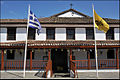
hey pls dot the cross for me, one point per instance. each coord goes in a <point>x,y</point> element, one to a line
<point>71,5</point>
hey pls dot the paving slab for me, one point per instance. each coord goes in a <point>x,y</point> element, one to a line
<point>81,75</point>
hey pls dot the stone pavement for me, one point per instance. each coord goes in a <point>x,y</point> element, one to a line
<point>81,75</point>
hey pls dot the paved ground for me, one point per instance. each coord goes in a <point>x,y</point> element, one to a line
<point>81,75</point>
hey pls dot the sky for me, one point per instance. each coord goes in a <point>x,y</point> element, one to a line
<point>18,9</point>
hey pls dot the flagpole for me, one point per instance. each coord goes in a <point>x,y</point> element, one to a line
<point>95,42</point>
<point>26,42</point>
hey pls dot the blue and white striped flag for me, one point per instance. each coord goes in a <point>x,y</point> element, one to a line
<point>33,22</point>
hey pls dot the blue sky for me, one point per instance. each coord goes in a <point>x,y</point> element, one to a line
<point>19,9</point>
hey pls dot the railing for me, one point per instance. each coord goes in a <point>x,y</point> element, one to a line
<point>49,68</point>
<point>18,64</point>
<point>102,64</point>
<point>80,64</point>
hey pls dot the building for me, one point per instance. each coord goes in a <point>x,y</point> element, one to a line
<point>66,42</point>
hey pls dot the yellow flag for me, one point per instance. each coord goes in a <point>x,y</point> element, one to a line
<point>100,23</point>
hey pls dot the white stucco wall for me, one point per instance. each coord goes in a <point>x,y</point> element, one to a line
<point>80,55</point>
<point>60,33</point>
<point>38,54</point>
<point>116,33</point>
<point>100,35</point>
<point>42,35</point>
<point>103,55</point>
<point>69,14</point>
<point>3,34</point>
<point>20,34</point>
<point>80,34</point>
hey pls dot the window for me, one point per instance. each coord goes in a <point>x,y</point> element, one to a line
<point>70,33</point>
<point>50,33</point>
<point>110,54</point>
<point>31,34</point>
<point>28,54</point>
<point>89,33</point>
<point>10,54</point>
<point>11,33</point>
<point>110,34</point>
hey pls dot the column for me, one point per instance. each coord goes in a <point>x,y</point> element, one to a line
<point>49,54</point>
<point>30,59</point>
<point>70,57</point>
<point>2,60</point>
<point>117,59</point>
<point>70,54</point>
<point>88,53</point>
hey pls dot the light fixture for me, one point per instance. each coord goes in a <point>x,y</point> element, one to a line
<point>55,49</point>
<point>61,49</point>
<point>38,49</point>
<point>90,50</point>
<point>79,49</point>
<point>0,51</point>
<point>16,50</point>
<point>84,50</point>
<point>32,50</point>
<point>68,50</point>
<point>11,51</point>
<point>4,51</point>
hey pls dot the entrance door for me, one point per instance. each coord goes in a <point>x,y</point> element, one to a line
<point>59,60</point>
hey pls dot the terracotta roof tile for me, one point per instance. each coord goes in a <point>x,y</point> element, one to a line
<point>56,20</point>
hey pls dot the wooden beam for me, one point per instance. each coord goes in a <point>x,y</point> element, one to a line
<point>70,58</point>
<point>66,46</point>
<point>2,60</point>
<point>70,54</point>
<point>49,54</point>
<point>30,59</point>
<point>117,59</point>
<point>88,53</point>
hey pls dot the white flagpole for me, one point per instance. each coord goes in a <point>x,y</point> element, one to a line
<point>95,42</point>
<point>26,42</point>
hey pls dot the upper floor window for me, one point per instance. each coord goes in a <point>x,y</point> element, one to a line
<point>70,33</point>
<point>11,33</point>
<point>89,33</point>
<point>110,34</point>
<point>10,54</point>
<point>31,34</point>
<point>50,32</point>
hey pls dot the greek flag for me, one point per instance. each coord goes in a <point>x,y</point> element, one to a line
<point>33,22</point>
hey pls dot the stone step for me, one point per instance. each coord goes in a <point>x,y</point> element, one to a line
<point>61,75</point>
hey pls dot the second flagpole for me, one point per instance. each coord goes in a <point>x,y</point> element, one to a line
<point>95,41</point>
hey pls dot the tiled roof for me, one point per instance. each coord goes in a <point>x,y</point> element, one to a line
<point>64,20</point>
<point>61,43</point>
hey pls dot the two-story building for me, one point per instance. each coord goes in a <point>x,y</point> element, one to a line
<point>66,36</point>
